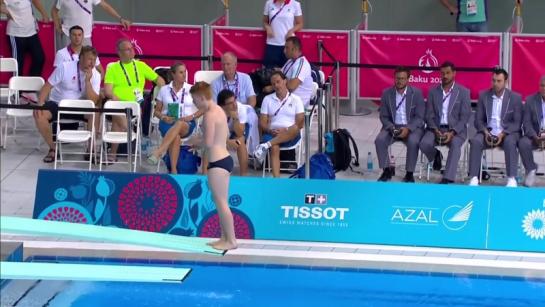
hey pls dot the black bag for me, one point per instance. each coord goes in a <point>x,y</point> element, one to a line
<point>342,157</point>
<point>260,79</point>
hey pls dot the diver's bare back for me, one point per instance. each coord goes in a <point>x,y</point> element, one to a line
<point>216,117</point>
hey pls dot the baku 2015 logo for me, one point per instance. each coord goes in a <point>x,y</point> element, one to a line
<point>533,224</point>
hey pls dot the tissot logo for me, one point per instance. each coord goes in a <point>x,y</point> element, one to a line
<point>318,199</point>
<point>316,208</point>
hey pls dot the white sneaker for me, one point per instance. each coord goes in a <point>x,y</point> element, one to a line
<point>511,182</point>
<point>530,179</point>
<point>261,151</point>
<point>474,181</point>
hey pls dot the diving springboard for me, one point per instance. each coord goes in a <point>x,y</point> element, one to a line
<point>27,226</point>
<point>91,272</point>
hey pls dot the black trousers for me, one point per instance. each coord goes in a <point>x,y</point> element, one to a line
<point>21,46</point>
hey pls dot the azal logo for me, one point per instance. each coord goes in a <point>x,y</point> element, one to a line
<point>456,217</point>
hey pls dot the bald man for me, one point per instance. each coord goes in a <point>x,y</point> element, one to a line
<point>237,82</point>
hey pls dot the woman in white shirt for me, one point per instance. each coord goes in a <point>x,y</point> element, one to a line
<point>22,31</point>
<point>177,115</point>
<point>281,19</point>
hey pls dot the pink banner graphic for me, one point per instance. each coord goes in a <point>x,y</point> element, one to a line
<point>249,44</point>
<point>527,63</point>
<point>179,41</point>
<point>47,38</point>
<point>426,50</point>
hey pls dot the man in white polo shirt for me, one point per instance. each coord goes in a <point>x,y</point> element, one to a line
<point>238,82</point>
<point>79,12</point>
<point>71,80</point>
<point>71,52</point>
<point>297,70</point>
<point>281,120</point>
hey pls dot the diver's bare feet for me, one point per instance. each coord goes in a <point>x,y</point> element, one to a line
<point>224,245</point>
<point>212,243</point>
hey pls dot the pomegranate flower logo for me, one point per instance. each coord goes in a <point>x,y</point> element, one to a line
<point>428,60</point>
<point>137,47</point>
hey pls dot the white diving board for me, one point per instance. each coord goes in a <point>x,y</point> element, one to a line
<point>26,226</point>
<point>91,272</point>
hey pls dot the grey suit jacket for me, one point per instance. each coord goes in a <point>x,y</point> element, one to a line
<point>533,114</point>
<point>415,108</point>
<point>511,111</point>
<point>459,109</point>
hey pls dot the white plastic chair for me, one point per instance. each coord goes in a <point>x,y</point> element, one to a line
<point>207,75</point>
<point>8,65</point>
<point>75,136</point>
<point>114,137</point>
<point>16,84</point>
<point>298,147</point>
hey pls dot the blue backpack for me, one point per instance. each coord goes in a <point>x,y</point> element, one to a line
<point>320,168</point>
<point>188,162</point>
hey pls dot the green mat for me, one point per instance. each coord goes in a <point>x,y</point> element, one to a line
<point>26,226</point>
<point>91,272</point>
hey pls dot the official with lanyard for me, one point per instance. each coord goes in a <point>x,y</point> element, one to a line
<point>281,120</point>
<point>402,113</point>
<point>238,82</point>
<point>174,105</point>
<point>125,81</point>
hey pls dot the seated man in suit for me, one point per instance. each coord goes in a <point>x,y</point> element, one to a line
<point>498,122</point>
<point>447,112</point>
<point>534,132</point>
<point>281,120</point>
<point>402,112</point>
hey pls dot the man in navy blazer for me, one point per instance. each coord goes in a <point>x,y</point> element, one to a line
<point>402,115</point>
<point>447,113</point>
<point>498,121</point>
<point>534,132</point>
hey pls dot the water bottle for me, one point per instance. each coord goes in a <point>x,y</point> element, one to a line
<point>392,165</point>
<point>145,145</point>
<point>329,143</point>
<point>369,161</point>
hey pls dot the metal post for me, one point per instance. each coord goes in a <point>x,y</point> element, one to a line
<point>320,56</point>
<point>337,90</point>
<point>307,144</point>
<point>226,6</point>
<point>206,47</point>
<point>128,114</point>
<point>319,105</point>
<point>354,107</point>
<point>327,99</point>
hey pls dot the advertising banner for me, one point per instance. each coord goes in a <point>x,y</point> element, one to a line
<point>303,210</point>
<point>426,50</point>
<point>175,43</point>
<point>527,63</point>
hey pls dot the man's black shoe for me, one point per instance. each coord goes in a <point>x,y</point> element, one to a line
<point>408,177</point>
<point>446,181</point>
<point>386,175</point>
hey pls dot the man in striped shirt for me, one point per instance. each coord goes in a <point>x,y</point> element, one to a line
<point>297,70</point>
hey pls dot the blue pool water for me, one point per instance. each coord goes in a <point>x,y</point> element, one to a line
<point>214,285</point>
